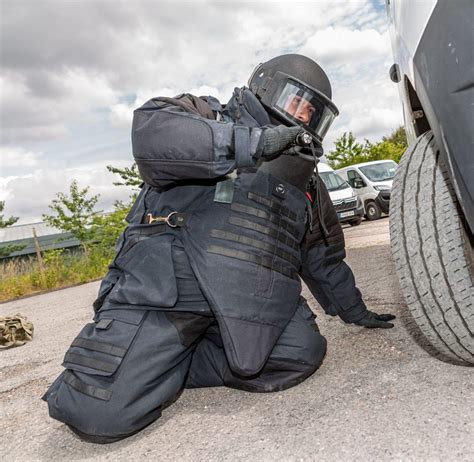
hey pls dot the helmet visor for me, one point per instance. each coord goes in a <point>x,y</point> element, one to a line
<point>304,106</point>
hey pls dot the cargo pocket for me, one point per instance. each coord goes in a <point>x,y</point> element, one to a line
<point>148,277</point>
<point>100,347</point>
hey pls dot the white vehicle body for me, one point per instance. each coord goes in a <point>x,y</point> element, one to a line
<point>432,45</point>
<point>432,206</point>
<point>408,20</point>
<point>372,182</point>
<point>345,200</point>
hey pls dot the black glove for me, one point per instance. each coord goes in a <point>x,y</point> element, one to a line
<point>372,320</point>
<point>276,140</point>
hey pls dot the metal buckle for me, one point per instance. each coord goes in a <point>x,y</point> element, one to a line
<point>151,219</point>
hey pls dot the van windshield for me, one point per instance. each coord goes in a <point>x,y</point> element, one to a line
<point>333,181</point>
<point>382,171</point>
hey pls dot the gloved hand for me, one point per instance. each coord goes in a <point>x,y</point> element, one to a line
<point>372,320</point>
<point>276,139</point>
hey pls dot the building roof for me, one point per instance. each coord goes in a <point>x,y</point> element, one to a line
<point>18,232</point>
<point>49,238</point>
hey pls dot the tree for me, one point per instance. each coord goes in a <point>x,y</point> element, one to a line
<point>106,229</point>
<point>347,152</point>
<point>398,137</point>
<point>4,222</point>
<point>6,250</point>
<point>130,176</point>
<point>74,213</point>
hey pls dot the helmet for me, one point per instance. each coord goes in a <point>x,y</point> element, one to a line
<point>296,91</point>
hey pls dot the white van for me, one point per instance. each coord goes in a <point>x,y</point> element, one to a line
<point>348,207</point>
<point>372,181</point>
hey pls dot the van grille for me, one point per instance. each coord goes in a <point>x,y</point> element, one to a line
<point>345,204</point>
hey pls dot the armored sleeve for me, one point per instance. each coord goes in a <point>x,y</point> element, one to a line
<point>324,270</point>
<point>171,144</point>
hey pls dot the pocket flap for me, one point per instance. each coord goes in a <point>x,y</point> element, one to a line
<point>100,351</point>
<point>148,277</point>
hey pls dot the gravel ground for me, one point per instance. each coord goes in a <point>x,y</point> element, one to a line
<point>378,395</point>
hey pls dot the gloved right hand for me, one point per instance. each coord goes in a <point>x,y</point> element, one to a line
<point>277,139</point>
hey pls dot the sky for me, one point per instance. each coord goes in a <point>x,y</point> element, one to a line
<point>73,71</point>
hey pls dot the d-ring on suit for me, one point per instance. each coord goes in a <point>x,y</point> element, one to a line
<point>205,289</point>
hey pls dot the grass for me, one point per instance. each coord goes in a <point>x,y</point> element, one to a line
<point>61,268</point>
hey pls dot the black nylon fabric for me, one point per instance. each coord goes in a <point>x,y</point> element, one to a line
<point>169,298</point>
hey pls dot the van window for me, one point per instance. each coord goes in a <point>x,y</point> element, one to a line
<point>382,171</point>
<point>333,181</point>
<point>351,176</point>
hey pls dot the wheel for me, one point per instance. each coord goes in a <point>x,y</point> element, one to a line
<point>356,222</point>
<point>432,255</point>
<point>372,211</point>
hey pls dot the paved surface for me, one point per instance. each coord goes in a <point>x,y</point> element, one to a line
<point>377,396</point>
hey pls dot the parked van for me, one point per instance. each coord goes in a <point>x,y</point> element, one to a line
<point>372,181</point>
<point>348,207</point>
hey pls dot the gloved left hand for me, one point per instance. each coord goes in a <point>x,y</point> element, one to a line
<point>373,320</point>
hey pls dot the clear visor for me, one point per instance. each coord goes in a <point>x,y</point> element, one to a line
<point>304,107</point>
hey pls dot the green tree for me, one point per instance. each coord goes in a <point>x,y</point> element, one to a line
<point>130,176</point>
<point>347,151</point>
<point>4,222</point>
<point>398,136</point>
<point>6,250</point>
<point>74,213</point>
<point>106,228</point>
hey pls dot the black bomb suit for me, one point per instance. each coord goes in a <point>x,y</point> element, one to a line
<point>213,296</point>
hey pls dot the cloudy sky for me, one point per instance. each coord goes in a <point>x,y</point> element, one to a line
<point>72,71</point>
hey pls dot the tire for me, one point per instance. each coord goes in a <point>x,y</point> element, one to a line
<point>431,254</point>
<point>356,222</point>
<point>372,211</point>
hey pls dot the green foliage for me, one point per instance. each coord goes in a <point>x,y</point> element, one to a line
<point>106,229</point>
<point>4,222</point>
<point>348,151</point>
<point>61,268</point>
<point>130,176</point>
<point>398,136</point>
<point>6,250</point>
<point>73,213</point>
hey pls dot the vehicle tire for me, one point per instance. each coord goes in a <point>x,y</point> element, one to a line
<point>372,211</point>
<point>356,222</point>
<point>432,255</point>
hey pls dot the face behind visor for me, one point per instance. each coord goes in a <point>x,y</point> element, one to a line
<point>291,99</point>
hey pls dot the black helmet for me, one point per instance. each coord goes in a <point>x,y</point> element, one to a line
<point>295,90</point>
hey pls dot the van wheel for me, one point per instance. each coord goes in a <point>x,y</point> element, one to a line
<point>372,211</point>
<point>356,222</point>
<point>432,255</point>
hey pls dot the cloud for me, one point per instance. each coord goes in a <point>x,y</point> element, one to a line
<point>340,45</point>
<point>17,158</point>
<point>28,196</point>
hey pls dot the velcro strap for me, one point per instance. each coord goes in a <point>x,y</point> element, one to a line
<point>273,205</point>
<point>228,236</point>
<point>242,147</point>
<point>265,215</point>
<point>248,224</point>
<point>103,324</point>
<point>90,362</point>
<point>102,347</point>
<point>262,261</point>
<point>72,380</point>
